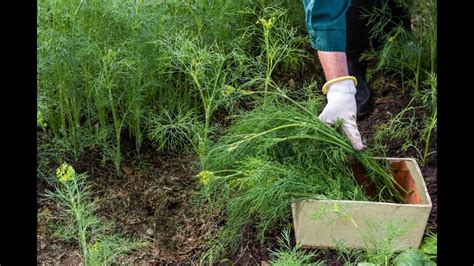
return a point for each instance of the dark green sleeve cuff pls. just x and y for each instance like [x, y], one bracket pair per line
[326, 24]
[329, 40]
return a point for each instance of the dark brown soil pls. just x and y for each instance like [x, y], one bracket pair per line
[152, 199]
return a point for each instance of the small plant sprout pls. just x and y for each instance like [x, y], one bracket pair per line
[374, 252]
[287, 254]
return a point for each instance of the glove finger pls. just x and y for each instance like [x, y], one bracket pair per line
[349, 127]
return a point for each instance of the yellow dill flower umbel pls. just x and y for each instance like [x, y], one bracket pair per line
[96, 246]
[65, 173]
[266, 23]
[272, 180]
[228, 89]
[39, 120]
[205, 177]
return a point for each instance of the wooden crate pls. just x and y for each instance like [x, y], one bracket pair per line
[362, 224]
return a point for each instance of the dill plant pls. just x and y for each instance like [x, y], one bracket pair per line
[111, 69]
[279, 153]
[408, 124]
[99, 70]
[99, 246]
[103, 65]
[173, 129]
[209, 71]
[411, 55]
[291, 255]
[280, 44]
[374, 252]
[429, 99]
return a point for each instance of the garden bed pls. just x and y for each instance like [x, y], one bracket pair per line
[165, 168]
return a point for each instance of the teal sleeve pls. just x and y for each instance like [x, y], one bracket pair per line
[326, 24]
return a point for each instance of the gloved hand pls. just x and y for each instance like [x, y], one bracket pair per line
[342, 105]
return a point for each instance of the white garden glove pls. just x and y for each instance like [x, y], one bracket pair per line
[342, 105]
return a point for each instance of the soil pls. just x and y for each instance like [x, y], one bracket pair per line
[152, 200]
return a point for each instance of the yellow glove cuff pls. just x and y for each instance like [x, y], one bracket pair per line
[326, 85]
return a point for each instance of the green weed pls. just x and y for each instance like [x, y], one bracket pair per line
[291, 255]
[374, 252]
[429, 246]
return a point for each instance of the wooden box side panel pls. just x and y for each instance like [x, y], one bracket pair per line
[359, 224]
[295, 210]
[419, 181]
